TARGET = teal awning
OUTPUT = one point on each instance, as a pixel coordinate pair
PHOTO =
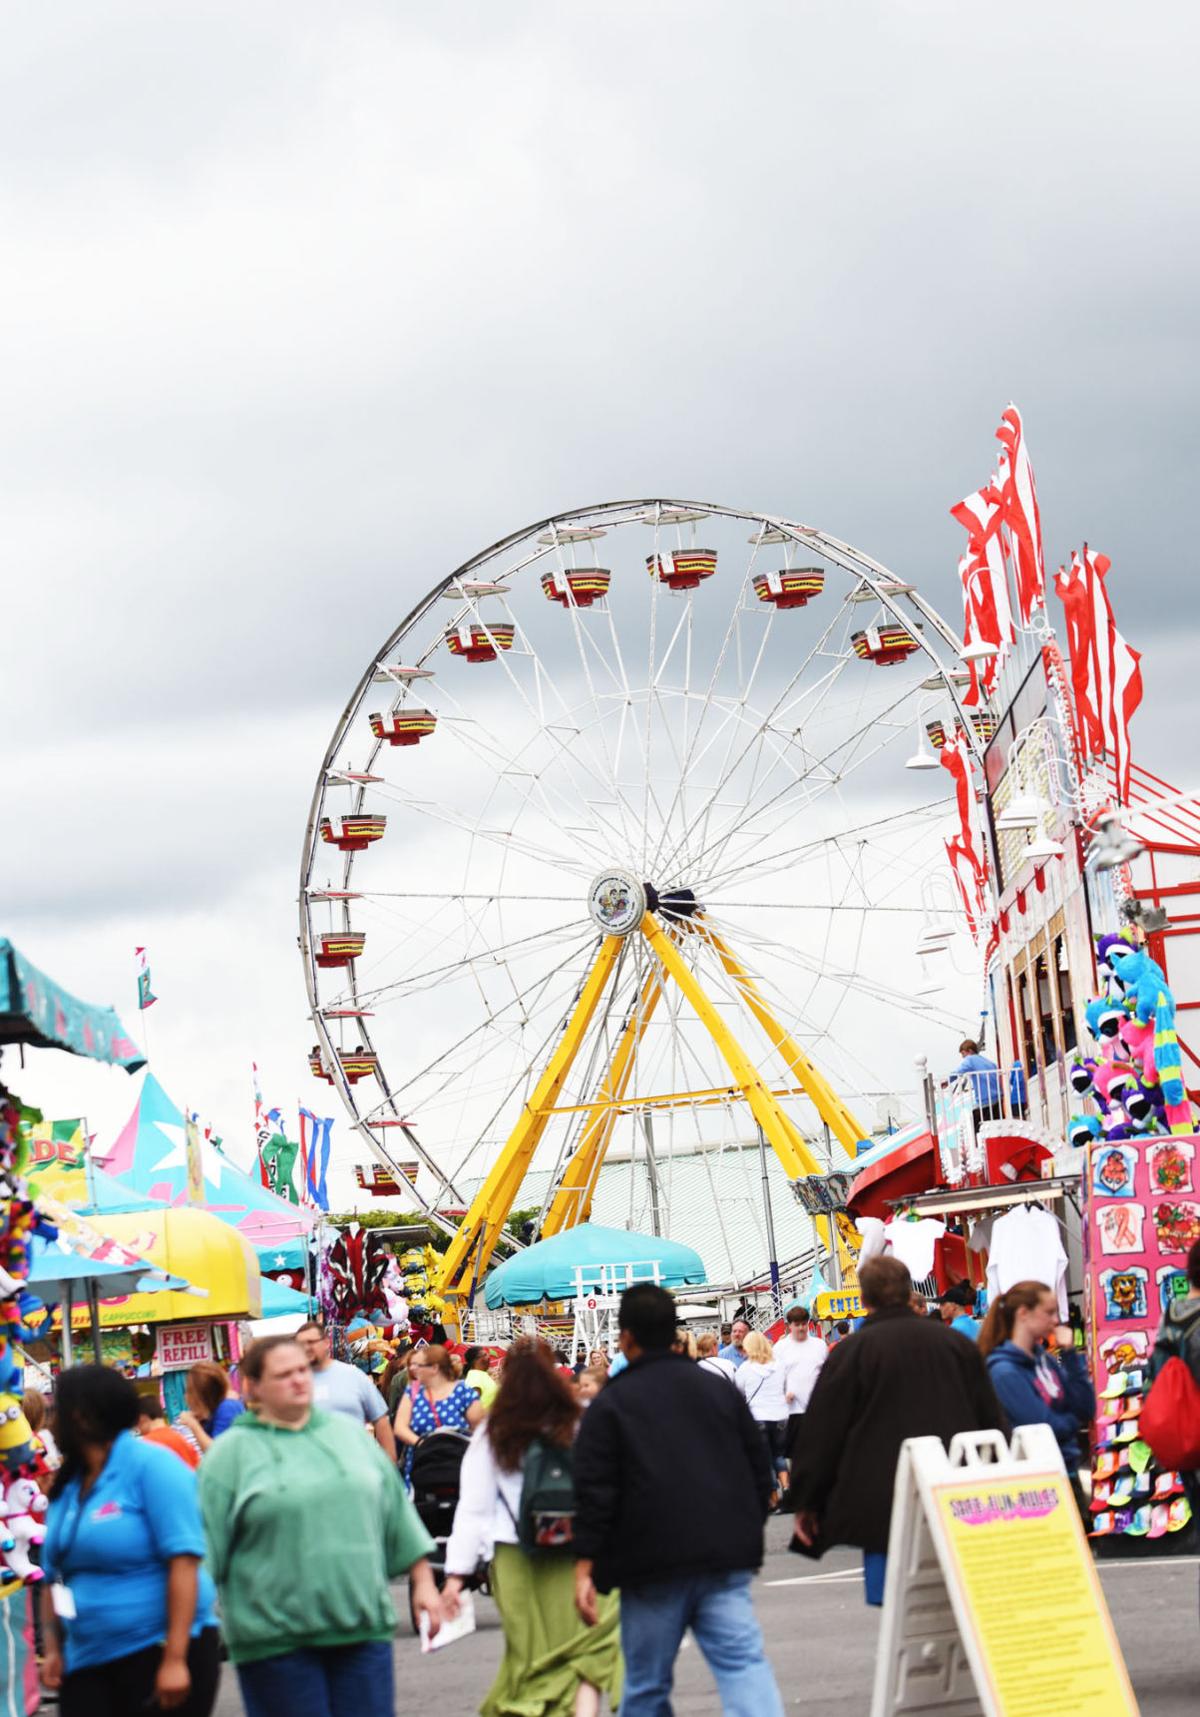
(37, 1011)
(546, 1271)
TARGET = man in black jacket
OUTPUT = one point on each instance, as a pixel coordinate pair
(672, 1484)
(898, 1376)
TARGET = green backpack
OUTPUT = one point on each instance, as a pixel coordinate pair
(546, 1518)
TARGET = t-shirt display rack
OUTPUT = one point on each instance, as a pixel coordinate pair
(981, 1201)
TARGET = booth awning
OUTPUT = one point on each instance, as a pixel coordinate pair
(37, 1011)
(221, 1267)
(546, 1271)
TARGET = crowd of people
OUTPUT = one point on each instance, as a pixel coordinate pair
(272, 1515)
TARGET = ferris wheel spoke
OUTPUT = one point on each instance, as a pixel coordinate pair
(418, 980)
(838, 765)
(805, 852)
(733, 758)
(521, 774)
(574, 765)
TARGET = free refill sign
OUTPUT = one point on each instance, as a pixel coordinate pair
(181, 1345)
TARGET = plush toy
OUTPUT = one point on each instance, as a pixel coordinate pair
(1112, 1079)
(1139, 1107)
(1104, 1020)
(16, 1438)
(1081, 1076)
(1083, 1130)
(22, 1507)
(1139, 1046)
(1151, 1002)
(1104, 965)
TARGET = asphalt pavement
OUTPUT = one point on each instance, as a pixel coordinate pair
(821, 1639)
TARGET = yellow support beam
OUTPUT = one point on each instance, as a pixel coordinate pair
(782, 1133)
(572, 1202)
(469, 1252)
(832, 1110)
(764, 1105)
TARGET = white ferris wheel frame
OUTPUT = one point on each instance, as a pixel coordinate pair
(544, 540)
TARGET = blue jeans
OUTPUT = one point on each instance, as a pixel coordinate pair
(718, 1610)
(341, 1681)
(874, 1574)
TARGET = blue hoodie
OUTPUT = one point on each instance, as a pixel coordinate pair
(1036, 1390)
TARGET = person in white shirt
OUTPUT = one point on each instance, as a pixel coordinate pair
(760, 1378)
(710, 1359)
(802, 1358)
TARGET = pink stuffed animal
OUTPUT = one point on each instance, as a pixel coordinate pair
(23, 1507)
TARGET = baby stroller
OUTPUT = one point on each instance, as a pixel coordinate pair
(434, 1477)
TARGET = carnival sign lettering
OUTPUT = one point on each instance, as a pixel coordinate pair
(182, 1345)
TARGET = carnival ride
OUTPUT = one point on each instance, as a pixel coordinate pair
(600, 854)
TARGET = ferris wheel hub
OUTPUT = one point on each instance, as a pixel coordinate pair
(618, 902)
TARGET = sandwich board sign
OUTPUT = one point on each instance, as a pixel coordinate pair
(985, 1544)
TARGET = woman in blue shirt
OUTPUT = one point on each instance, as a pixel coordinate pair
(127, 1605)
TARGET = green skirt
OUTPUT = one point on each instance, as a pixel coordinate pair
(547, 1649)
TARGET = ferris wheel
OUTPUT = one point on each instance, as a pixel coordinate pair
(614, 840)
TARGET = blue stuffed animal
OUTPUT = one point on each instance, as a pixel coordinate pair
(1151, 1002)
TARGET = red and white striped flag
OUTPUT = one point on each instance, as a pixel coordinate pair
(987, 611)
(966, 850)
(1015, 491)
(1106, 673)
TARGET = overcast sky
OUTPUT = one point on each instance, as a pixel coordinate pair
(303, 304)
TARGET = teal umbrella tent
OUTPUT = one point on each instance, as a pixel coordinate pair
(547, 1271)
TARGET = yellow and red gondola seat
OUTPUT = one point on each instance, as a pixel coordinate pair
(358, 1064)
(884, 645)
(791, 586)
(352, 834)
(316, 1065)
(339, 947)
(936, 733)
(480, 643)
(403, 726)
(984, 723)
(683, 568)
(577, 586)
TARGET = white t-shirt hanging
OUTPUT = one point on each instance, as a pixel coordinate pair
(1027, 1247)
(981, 1235)
(871, 1230)
(913, 1241)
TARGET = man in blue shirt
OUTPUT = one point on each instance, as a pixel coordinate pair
(985, 1081)
(734, 1350)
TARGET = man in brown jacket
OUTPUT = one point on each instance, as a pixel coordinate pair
(897, 1376)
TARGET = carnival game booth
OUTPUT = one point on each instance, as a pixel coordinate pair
(576, 1279)
(223, 1288)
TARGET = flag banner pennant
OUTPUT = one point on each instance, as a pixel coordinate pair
(1016, 493)
(146, 996)
(277, 1157)
(987, 610)
(317, 1148)
(965, 850)
(1106, 673)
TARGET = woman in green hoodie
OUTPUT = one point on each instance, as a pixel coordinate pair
(307, 1521)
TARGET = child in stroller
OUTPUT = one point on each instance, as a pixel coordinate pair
(434, 1477)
